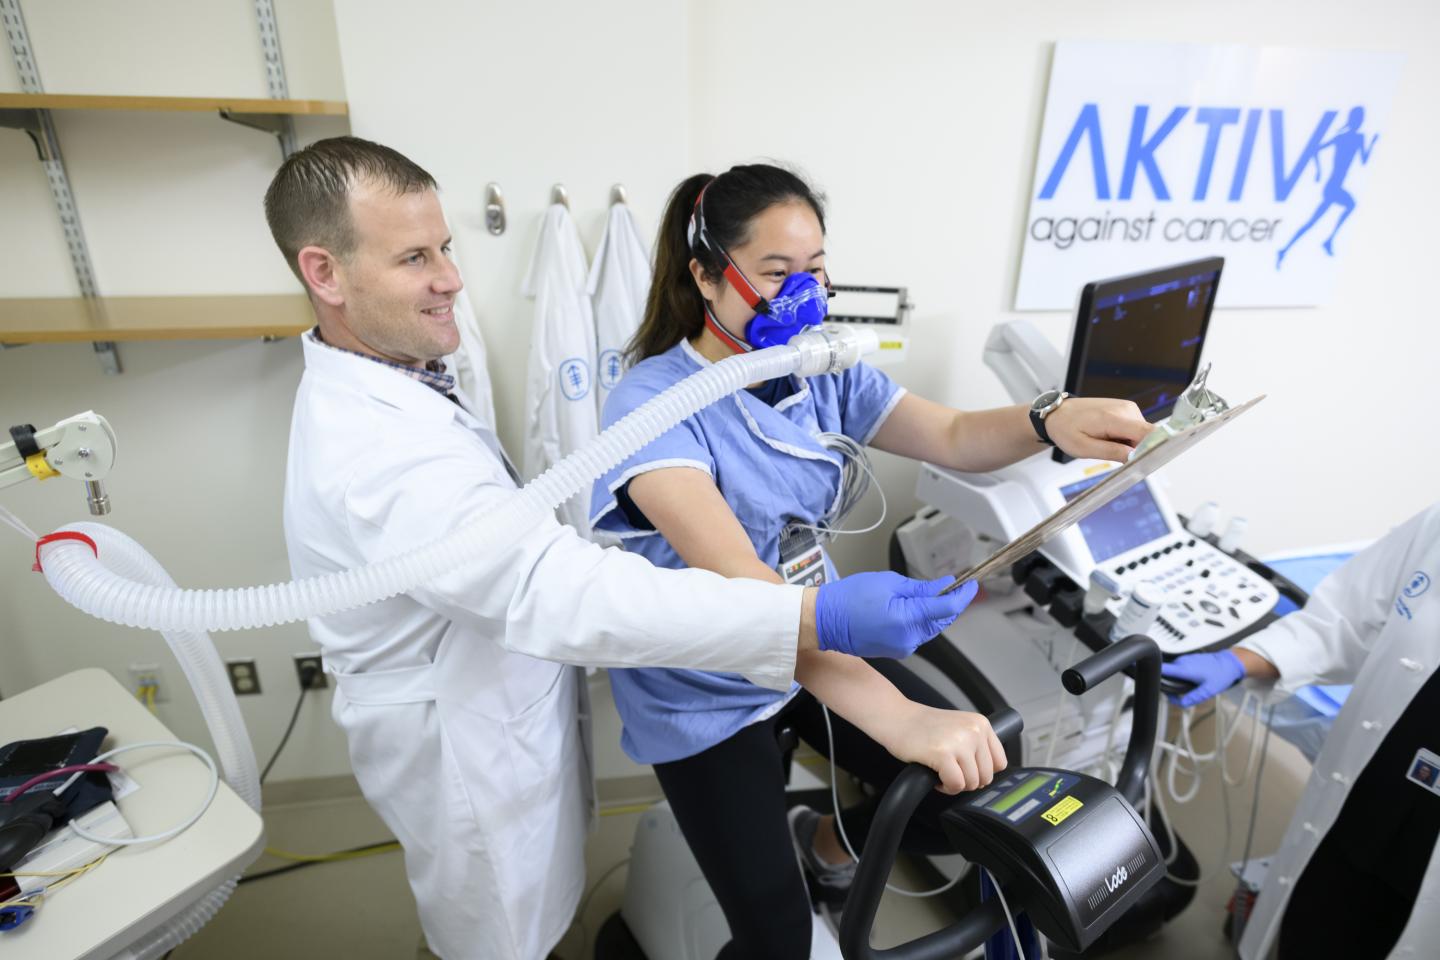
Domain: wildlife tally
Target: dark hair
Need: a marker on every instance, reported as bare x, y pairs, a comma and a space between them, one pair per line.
308, 202
675, 309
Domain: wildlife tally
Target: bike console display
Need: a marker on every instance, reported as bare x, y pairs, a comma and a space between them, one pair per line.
1065, 845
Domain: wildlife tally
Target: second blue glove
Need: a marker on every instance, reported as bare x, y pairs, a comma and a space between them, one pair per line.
884, 614
1212, 674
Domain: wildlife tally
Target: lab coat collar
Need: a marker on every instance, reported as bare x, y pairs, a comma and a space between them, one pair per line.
377, 381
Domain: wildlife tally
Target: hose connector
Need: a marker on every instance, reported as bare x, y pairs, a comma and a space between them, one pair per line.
831, 348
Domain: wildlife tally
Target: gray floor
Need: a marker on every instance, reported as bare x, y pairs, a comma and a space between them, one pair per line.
362, 909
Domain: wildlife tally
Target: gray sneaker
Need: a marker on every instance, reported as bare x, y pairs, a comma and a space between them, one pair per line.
834, 878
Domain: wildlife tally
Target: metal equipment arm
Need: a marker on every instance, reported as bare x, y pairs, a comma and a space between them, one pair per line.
81, 447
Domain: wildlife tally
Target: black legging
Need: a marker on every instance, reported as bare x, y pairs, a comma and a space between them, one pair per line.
730, 803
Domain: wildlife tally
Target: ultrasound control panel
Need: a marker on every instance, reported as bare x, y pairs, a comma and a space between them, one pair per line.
1209, 597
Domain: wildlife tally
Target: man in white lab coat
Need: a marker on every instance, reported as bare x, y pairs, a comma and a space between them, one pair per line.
471, 751
1355, 876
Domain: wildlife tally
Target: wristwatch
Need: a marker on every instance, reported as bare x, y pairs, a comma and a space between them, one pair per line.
1042, 406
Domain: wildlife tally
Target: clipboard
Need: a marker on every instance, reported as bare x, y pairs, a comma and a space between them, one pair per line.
1114, 484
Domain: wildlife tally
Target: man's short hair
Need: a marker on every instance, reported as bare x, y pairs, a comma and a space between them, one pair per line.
308, 203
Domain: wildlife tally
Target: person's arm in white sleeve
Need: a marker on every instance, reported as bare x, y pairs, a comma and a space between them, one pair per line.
1328, 640
555, 596
616, 609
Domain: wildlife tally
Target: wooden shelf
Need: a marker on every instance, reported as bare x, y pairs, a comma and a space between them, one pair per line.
74, 319
236, 105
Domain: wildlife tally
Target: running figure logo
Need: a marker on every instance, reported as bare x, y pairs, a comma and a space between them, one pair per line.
1348, 143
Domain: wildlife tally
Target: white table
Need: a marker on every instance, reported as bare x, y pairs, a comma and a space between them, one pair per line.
138, 888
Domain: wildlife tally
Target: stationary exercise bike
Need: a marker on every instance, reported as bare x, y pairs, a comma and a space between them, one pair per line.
1069, 852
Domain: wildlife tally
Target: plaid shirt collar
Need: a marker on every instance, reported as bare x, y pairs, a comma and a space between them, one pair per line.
433, 374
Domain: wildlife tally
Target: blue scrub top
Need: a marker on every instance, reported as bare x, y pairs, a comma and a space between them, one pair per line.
771, 469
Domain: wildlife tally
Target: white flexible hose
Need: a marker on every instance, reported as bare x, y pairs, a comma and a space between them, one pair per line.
88, 583
121, 583
162, 940
201, 664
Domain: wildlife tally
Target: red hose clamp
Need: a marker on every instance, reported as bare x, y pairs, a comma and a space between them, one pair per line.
62, 535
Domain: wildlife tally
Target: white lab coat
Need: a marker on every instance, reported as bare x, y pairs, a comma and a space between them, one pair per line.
559, 389
619, 284
469, 750
472, 373
1367, 624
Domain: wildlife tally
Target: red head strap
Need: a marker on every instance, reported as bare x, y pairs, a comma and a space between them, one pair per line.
700, 237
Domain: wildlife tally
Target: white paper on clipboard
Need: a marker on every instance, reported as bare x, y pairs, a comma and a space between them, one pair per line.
1114, 484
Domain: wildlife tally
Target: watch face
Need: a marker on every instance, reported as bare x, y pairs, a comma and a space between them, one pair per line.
1046, 399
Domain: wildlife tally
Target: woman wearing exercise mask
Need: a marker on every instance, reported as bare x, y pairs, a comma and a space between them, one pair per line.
745, 488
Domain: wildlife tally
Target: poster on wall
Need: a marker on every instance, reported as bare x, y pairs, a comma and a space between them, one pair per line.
1159, 153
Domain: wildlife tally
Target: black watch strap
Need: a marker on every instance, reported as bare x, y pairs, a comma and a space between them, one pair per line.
1038, 423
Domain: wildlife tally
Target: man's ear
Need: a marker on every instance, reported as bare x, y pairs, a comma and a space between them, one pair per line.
319, 270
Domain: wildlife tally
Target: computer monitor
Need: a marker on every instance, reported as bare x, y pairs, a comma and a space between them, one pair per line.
1139, 337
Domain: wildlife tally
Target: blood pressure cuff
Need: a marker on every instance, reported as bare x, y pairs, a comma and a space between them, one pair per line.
24, 759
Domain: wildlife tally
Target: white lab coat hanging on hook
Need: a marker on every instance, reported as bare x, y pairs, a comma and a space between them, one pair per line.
471, 371
468, 362
619, 284
560, 386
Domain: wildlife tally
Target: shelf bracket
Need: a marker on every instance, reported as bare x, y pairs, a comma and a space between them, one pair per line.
28, 121
281, 125
41, 129
279, 88
108, 356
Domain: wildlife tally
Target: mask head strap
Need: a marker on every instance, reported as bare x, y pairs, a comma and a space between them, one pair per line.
725, 336
700, 237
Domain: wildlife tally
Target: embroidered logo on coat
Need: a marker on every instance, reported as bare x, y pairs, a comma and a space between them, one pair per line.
1418, 583
575, 378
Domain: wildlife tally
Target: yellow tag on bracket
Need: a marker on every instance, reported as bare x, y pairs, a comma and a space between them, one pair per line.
39, 467
1061, 810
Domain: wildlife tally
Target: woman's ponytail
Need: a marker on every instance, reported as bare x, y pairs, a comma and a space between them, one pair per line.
674, 309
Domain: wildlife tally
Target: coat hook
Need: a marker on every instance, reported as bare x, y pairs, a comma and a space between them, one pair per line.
558, 195
617, 194
494, 209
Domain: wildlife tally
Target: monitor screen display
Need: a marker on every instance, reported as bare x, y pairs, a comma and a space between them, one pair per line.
1139, 337
1122, 524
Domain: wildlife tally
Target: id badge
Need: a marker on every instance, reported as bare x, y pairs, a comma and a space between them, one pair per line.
1425, 771
802, 561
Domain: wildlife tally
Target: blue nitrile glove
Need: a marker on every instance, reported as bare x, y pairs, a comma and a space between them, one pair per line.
1212, 674
884, 614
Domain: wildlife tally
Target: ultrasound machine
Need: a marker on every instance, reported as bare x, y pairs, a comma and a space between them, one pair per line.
1139, 338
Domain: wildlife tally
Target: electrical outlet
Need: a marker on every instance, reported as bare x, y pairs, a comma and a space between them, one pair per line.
244, 678
144, 675
318, 680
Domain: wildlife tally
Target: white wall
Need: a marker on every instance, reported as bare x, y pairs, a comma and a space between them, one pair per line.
525, 95
921, 124
919, 119
171, 204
